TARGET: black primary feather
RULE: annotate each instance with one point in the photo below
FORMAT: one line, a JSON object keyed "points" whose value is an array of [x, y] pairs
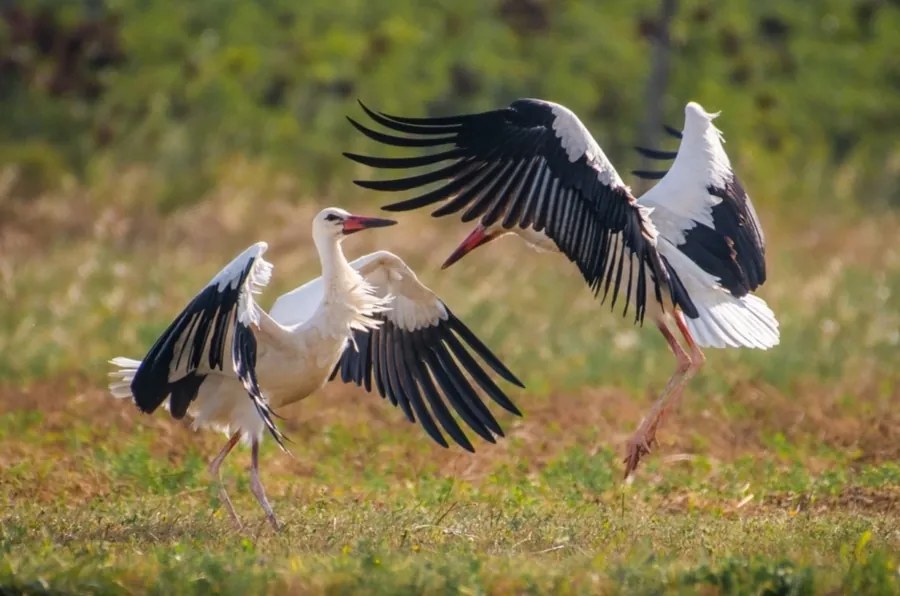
{"points": [[656, 153], [672, 131], [424, 368], [197, 337], [511, 166], [649, 175], [734, 249]]}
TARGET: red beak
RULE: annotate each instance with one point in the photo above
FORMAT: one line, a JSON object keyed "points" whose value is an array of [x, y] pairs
{"points": [[355, 223], [478, 237]]}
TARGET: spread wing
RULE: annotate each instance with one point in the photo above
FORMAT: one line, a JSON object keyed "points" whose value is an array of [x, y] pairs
{"points": [[213, 332], [422, 357], [701, 208], [531, 165]]}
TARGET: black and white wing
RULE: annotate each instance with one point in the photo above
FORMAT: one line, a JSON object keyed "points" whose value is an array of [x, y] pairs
{"points": [[709, 232], [700, 206], [214, 331], [422, 356], [530, 165]]}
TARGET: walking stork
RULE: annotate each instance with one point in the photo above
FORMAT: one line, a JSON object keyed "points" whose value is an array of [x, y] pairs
{"points": [[227, 363], [687, 253]]}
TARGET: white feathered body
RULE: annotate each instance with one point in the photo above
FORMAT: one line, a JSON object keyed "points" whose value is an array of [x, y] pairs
{"points": [[298, 345]]}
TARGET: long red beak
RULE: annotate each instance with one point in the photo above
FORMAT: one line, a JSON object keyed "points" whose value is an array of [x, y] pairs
{"points": [[355, 223], [476, 238]]}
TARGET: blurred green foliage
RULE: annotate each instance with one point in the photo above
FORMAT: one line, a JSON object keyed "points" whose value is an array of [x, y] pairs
{"points": [[88, 87]]}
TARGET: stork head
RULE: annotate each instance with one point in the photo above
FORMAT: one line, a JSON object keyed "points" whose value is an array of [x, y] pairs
{"points": [[337, 223], [478, 237]]}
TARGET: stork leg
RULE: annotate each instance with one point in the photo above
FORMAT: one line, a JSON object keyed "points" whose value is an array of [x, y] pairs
{"points": [[640, 442], [214, 466], [256, 486], [697, 360]]}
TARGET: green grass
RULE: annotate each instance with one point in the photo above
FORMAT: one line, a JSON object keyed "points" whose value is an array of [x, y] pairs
{"points": [[556, 547], [778, 475], [105, 500], [140, 521]]}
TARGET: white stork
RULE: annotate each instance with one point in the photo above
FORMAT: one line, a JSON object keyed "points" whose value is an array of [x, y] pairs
{"points": [[371, 317], [688, 253]]}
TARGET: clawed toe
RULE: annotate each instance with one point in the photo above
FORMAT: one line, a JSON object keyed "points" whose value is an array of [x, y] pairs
{"points": [[275, 525], [638, 446]]}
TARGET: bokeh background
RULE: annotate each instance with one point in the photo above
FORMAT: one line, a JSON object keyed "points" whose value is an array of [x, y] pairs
{"points": [[95, 87], [143, 143]]}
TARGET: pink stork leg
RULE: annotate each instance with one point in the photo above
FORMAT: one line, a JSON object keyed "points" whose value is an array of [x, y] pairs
{"points": [[697, 360], [214, 466], [256, 486], [643, 438]]}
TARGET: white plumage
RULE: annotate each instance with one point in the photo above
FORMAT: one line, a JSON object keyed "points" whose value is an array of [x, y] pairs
{"points": [[579, 144], [688, 253], [283, 356], [723, 321], [681, 201]]}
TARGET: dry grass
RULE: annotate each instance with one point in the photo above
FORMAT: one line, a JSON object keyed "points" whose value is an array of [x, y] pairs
{"points": [[592, 421]]}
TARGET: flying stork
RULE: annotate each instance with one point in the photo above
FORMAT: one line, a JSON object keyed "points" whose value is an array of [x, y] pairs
{"points": [[687, 253], [227, 363]]}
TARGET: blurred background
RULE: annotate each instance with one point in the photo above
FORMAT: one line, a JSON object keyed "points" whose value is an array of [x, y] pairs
{"points": [[95, 88], [144, 143]]}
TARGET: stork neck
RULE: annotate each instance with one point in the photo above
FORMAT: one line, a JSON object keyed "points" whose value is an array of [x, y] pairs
{"points": [[336, 271]]}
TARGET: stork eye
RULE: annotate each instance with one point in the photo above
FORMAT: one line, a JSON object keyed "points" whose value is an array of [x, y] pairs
{"points": [[332, 217]]}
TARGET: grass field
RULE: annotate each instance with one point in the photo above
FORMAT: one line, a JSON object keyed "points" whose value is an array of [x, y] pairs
{"points": [[780, 473]]}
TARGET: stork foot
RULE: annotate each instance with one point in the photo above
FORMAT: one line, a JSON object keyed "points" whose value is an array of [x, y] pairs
{"points": [[256, 486], [214, 466], [257, 489], [274, 522], [637, 447], [223, 496]]}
